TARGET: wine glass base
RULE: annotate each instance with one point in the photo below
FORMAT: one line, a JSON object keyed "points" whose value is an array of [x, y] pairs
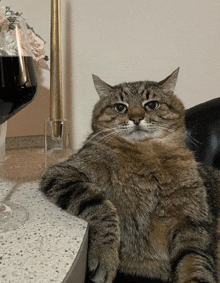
{"points": [[12, 216]]}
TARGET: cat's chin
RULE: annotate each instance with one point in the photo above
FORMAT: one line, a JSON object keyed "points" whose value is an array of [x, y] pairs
{"points": [[137, 136]]}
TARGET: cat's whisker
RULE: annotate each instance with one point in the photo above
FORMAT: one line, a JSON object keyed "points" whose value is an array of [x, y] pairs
{"points": [[111, 135], [167, 128], [193, 141], [99, 133]]}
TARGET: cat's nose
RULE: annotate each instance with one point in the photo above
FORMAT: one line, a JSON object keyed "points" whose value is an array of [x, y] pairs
{"points": [[136, 114], [136, 120]]}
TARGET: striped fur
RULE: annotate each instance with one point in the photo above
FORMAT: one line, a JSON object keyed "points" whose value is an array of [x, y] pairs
{"points": [[73, 191], [152, 210]]}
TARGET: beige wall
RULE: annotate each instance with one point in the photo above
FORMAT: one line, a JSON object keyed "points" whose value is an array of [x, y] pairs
{"points": [[124, 40]]}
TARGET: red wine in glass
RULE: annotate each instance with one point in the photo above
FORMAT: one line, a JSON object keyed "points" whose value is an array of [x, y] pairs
{"points": [[18, 84]]}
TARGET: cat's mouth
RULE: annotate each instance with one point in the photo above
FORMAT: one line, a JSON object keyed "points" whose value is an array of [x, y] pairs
{"points": [[139, 128], [138, 133]]}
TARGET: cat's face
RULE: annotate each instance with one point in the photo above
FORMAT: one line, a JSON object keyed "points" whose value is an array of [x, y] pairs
{"points": [[139, 110]]}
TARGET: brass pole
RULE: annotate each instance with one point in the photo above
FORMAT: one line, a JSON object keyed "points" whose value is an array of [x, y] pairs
{"points": [[56, 91]]}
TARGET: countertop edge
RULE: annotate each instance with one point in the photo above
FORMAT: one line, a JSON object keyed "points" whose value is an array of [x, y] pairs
{"points": [[77, 271]]}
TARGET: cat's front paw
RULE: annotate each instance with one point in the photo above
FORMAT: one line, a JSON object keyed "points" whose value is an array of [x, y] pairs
{"points": [[102, 264]]}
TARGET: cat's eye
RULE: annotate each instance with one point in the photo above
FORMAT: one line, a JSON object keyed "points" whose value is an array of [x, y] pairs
{"points": [[151, 105], [120, 107]]}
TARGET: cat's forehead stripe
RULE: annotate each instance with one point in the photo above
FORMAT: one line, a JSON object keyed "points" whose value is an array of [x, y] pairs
{"points": [[126, 90], [141, 89], [122, 96]]}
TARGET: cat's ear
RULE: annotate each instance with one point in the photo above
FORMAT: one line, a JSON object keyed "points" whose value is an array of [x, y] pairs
{"points": [[168, 85], [101, 87]]}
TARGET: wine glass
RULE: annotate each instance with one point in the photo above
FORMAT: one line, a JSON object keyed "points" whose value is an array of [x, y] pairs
{"points": [[18, 86]]}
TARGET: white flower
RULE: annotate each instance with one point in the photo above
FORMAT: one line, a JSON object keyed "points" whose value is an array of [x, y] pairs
{"points": [[10, 45], [37, 48]]}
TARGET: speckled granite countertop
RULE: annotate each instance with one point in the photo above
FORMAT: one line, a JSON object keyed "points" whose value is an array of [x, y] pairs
{"points": [[48, 247]]}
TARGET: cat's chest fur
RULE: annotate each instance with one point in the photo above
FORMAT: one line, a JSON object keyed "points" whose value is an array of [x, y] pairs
{"points": [[134, 188], [144, 177], [134, 177], [145, 166], [143, 184]]}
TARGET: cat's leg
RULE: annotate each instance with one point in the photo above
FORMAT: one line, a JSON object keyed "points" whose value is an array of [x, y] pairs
{"points": [[193, 253], [71, 190]]}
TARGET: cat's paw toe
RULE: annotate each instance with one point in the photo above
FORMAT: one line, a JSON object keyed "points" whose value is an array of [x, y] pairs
{"points": [[103, 267]]}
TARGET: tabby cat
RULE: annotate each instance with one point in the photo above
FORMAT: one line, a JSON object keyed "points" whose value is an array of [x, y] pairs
{"points": [[151, 208]]}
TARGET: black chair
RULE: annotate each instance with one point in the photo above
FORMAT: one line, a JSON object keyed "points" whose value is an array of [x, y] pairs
{"points": [[203, 132]]}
